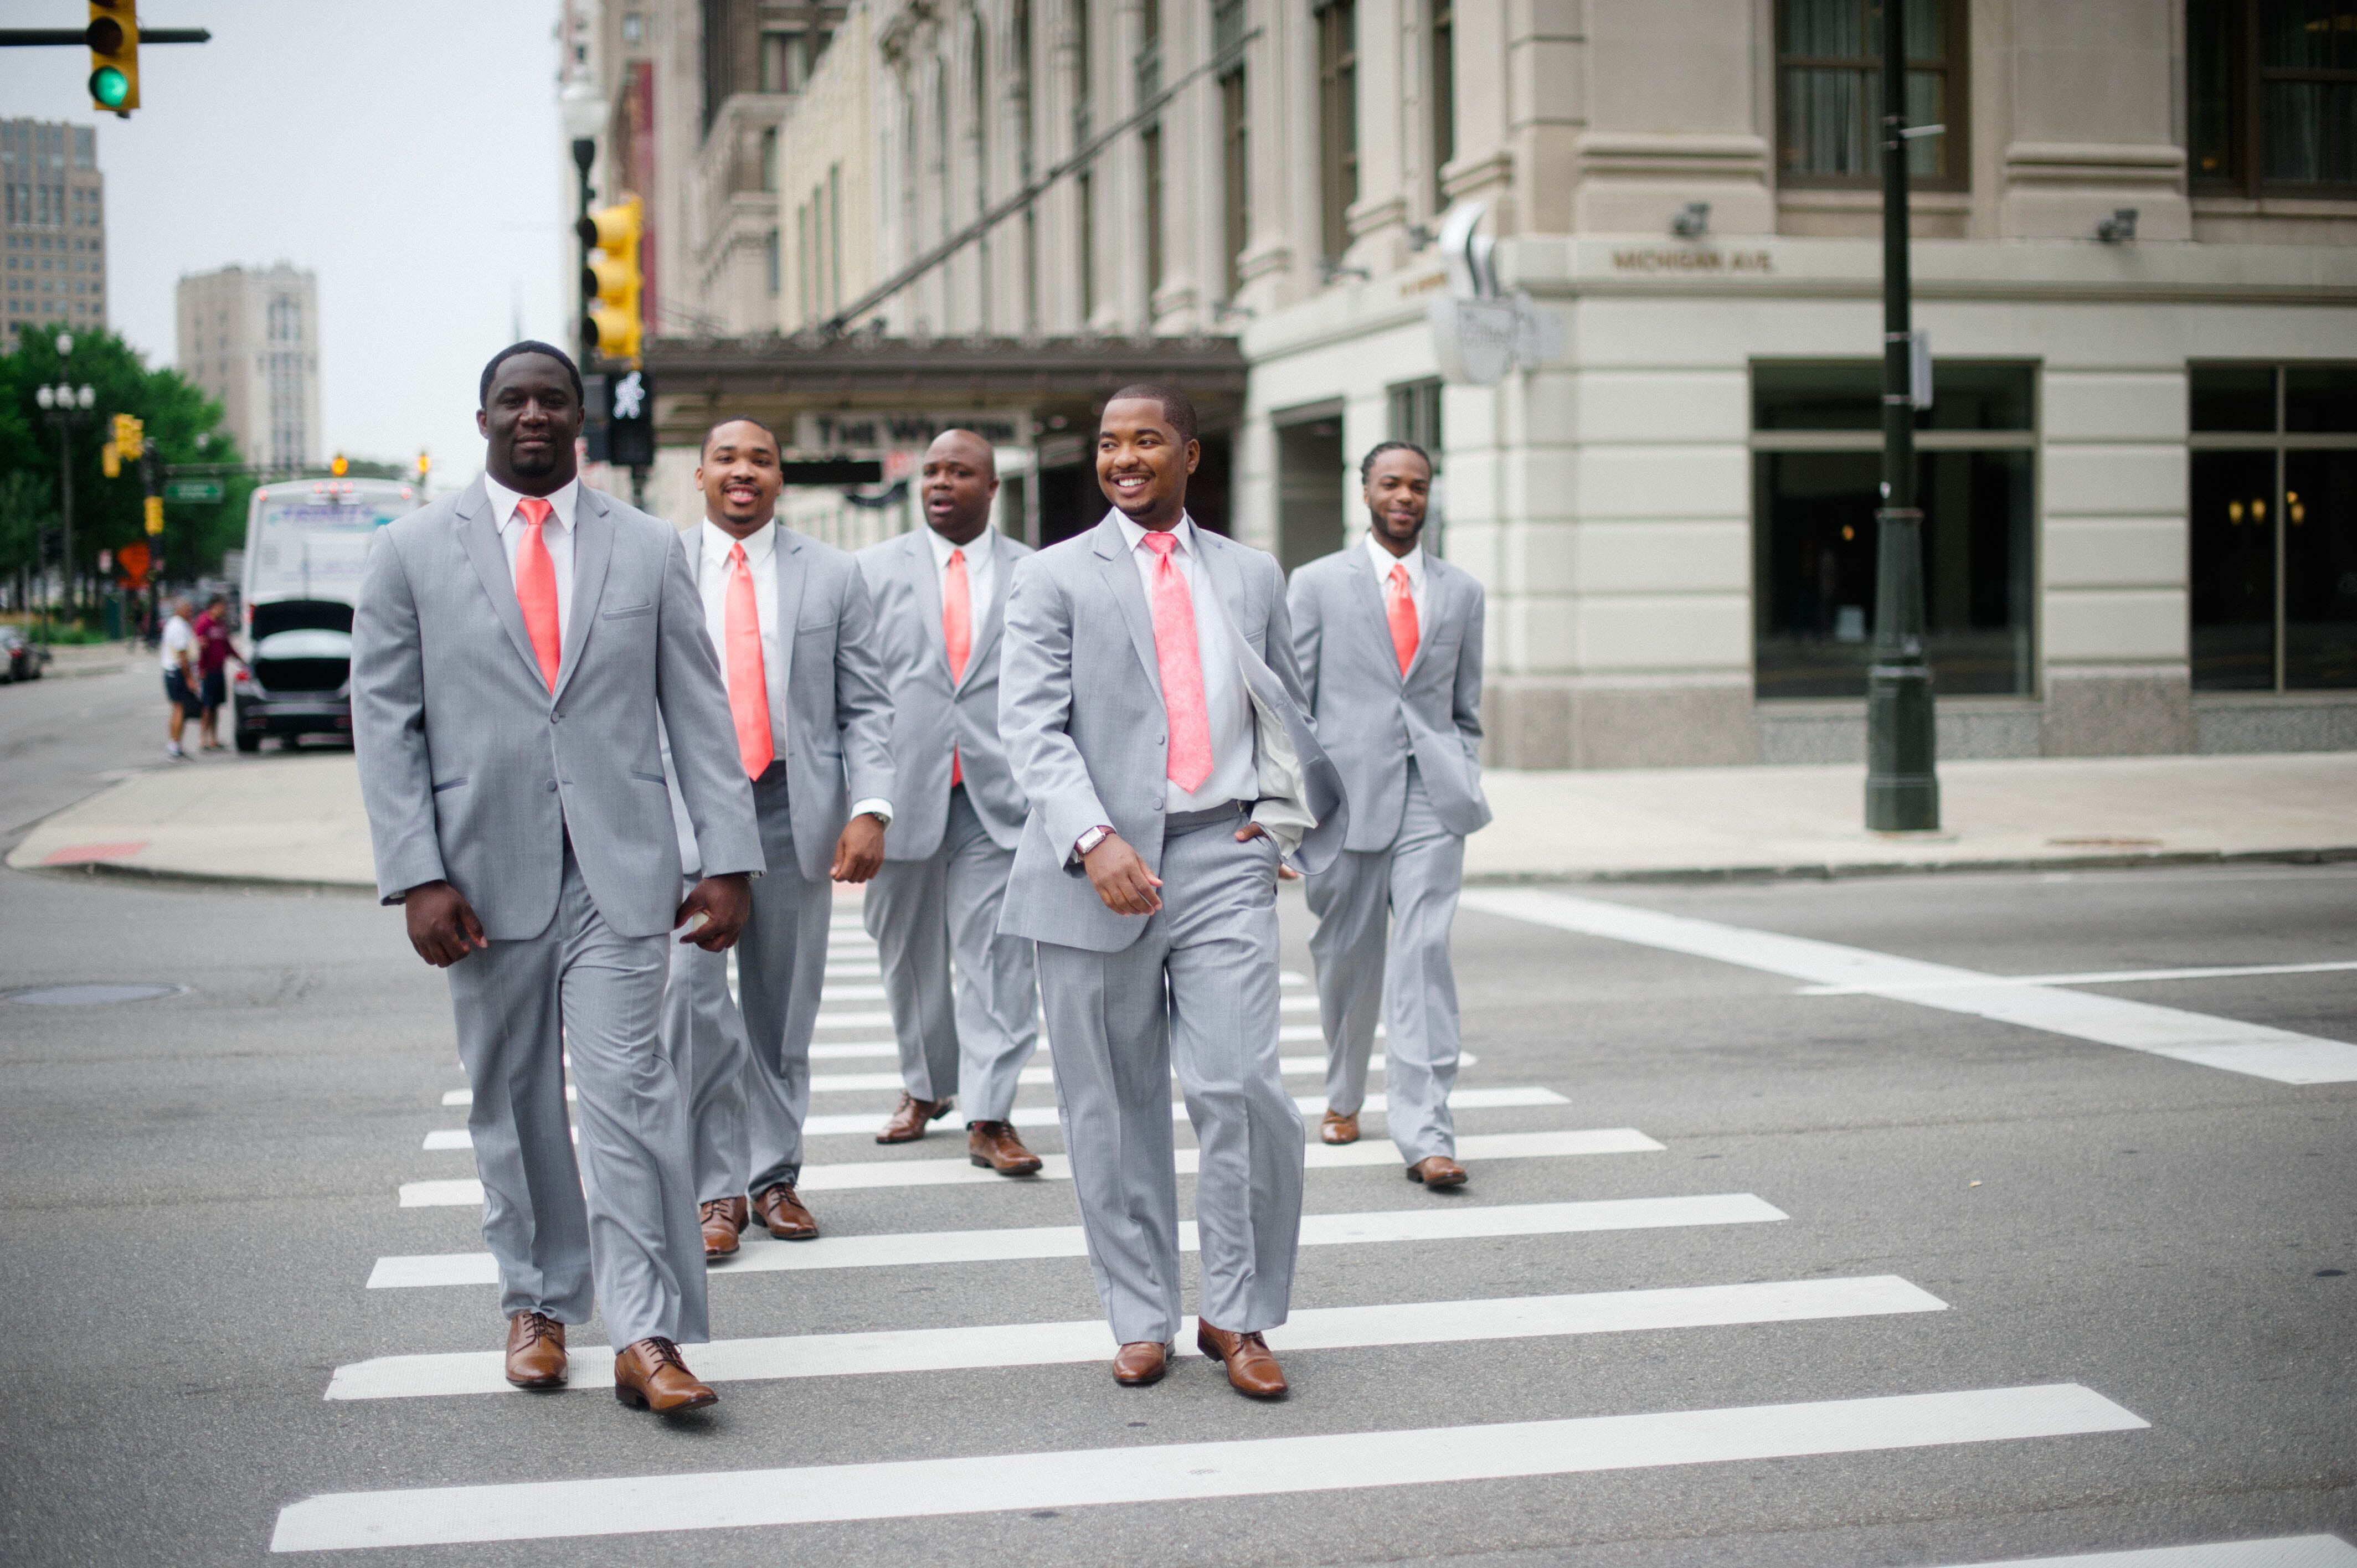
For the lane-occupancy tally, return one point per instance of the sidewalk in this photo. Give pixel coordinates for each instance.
(297, 820)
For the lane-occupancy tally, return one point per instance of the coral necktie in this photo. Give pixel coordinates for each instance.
(1402, 611)
(535, 589)
(957, 635)
(1181, 668)
(748, 684)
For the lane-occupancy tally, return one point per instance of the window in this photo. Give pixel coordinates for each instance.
(2273, 568)
(2272, 95)
(785, 61)
(774, 262)
(835, 236)
(1829, 91)
(1235, 183)
(769, 158)
(1084, 196)
(634, 28)
(1816, 475)
(1149, 144)
(1338, 121)
(1443, 95)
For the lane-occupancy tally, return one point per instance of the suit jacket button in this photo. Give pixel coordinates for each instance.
(1158, 805)
(552, 786)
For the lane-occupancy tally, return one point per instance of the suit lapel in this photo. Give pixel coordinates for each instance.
(1120, 573)
(1370, 595)
(790, 580)
(480, 536)
(1219, 571)
(1427, 620)
(593, 552)
(918, 564)
(994, 618)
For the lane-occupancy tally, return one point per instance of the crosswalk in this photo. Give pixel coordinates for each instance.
(1365, 1454)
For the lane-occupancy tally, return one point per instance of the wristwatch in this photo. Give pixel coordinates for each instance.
(1090, 840)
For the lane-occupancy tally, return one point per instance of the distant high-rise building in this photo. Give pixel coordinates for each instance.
(52, 226)
(250, 339)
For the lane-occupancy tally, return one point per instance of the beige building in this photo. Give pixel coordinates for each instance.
(2133, 260)
(52, 227)
(249, 338)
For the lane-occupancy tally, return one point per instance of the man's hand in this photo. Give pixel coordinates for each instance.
(1252, 831)
(442, 924)
(860, 851)
(722, 901)
(1121, 878)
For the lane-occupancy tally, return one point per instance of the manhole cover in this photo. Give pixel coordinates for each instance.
(91, 993)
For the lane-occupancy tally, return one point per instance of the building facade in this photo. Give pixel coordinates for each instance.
(52, 227)
(249, 338)
(2132, 257)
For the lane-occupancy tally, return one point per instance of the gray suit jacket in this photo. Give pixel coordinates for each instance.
(1081, 711)
(838, 715)
(473, 773)
(929, 713)
(1369, 717)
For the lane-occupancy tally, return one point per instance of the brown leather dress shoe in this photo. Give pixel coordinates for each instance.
(776, 1207)
(995, 1144)
(1252, 1370)
(1436, 1171)
(649, 1375)
(906, 1122)
(1140, 1363)
(1337, 1128)
(535, 1351)
(723, 1221)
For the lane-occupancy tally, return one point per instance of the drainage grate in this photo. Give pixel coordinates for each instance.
(91, 993)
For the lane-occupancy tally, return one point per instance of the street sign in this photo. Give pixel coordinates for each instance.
(192, 490)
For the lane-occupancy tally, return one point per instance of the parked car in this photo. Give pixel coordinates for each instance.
(296, 681)
(19, 659)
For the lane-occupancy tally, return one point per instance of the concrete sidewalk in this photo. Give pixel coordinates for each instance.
(296, 821)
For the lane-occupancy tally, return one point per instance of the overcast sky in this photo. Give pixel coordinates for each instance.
(408, 153)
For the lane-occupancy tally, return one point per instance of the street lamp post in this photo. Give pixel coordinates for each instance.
(63, 404)
(1902, 787)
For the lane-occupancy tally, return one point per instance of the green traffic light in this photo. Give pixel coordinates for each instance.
(109, 87)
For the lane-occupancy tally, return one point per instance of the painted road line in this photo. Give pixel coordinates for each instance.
(854, 1020)
(1045, 1115)
(1051, 1344)
(837, 1082)
(2091, 977)
(2284, 1551)
(859, 1175)
(640, 1505)
(761, 1254)
(2254, 1049)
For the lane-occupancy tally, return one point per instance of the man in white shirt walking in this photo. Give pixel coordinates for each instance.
(179, 676)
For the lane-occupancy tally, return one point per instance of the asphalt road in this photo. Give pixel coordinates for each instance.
(199, 1188)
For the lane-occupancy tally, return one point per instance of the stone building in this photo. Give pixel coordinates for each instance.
(52, 227)
(249, 338)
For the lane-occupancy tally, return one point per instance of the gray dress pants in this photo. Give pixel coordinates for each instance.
(1412, 887)
(1198, 991)
(704, 1036)
(964, 999)
(781, 965)
(618, 1229)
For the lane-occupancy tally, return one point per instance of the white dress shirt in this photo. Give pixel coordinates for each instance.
(555, 534)
(980, 572)
(1414, 561)
(712, 568)
(1235, 773)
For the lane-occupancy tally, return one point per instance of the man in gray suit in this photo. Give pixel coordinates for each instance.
(939, 594)
(805, 687)
(1155, 722)
(514, 649)
(1389, 641)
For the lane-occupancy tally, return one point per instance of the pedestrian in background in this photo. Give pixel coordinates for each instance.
(1155, 723)
(213, 654)
(1389, 641)
(965, 998)
(180, 682)
(510, 763)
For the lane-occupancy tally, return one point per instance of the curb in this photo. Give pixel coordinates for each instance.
(1830, 871)
(116, 871)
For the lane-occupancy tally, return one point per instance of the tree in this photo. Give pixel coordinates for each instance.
(26, 508)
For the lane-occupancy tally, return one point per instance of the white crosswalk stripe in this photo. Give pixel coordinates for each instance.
(762, 1255)
(1139, 1474)
(2284, 1551)
(870, 1173)
(1045, 1344)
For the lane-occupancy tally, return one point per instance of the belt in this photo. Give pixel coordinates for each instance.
(1188, 822)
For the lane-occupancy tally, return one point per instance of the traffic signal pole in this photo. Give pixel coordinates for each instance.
(1902, 787)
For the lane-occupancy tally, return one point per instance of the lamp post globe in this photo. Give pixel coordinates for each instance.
(87, 398)
(65, 344)
(45, 396)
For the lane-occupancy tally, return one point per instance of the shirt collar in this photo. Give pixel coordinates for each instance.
(977, 550)
(760, 545)
(565, 498)
(1132, 533)
(1385, 561)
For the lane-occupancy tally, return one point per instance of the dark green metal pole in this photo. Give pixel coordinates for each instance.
(1902, 790)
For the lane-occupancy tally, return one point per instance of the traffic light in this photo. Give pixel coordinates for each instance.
(338, 466)
(154, 514)
(424, 465)
(613, 279)
(129, 441)
(114, 39)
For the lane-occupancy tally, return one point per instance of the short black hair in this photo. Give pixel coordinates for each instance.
(1178, 408)
(529, 346)
(705, 444)
(1367, 463)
